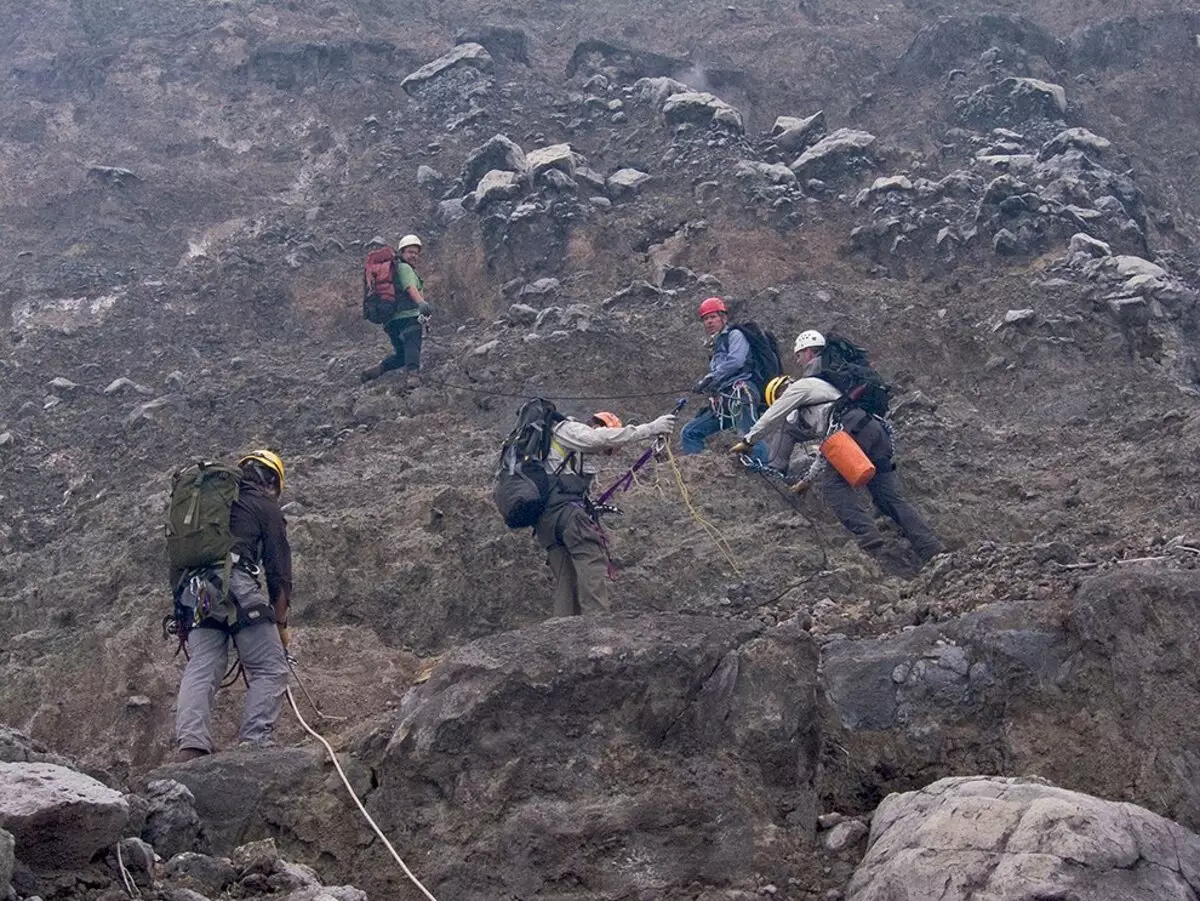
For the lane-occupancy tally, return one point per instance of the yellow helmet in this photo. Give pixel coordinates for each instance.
(775, 388)
(267, 458)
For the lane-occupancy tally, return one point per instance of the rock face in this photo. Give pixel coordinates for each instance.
(834, 153)
(568, 721)
(966, 838)
(59, 817)
(468, 55)
(701, 108)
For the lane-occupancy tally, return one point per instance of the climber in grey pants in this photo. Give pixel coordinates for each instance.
(261, 653)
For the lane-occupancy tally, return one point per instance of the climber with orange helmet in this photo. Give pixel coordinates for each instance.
(405, 328)
(569, 528)
(238, 610)
(734, 398)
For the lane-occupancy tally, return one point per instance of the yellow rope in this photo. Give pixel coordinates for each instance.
(712, 530)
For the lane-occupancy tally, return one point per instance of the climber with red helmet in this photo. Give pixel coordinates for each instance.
(734, 398)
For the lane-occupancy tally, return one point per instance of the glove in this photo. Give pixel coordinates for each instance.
(284, 635)
(664, 425)
(742, 447)
(800, 487)
(701, 387)
(424, 309)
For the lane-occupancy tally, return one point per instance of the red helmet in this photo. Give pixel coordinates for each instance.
(604, 418)
(713, 305)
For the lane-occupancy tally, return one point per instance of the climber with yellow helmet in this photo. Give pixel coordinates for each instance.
(237, 609)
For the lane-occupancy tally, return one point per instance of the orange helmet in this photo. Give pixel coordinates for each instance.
(712, 305)
(604, 418)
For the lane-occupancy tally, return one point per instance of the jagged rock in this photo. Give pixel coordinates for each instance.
(1011, 839)
(540, 288)
(882, 185)
(772, 173)
(6, 439)
(260, 857)
(701, 108)
(486, 348)
(498, 152)
(137, 857)
(497, 184)
(172, 824)
(16, 747)
(429, 178)
(124, 385)
(794, 135)
(834, 153)
(501, 41)
(655, 91)
(522, 314)
(291, 876)
(175, 380)
(1086, 244)
(1016, 100)
(844, 835)
(590, 177)
(1014, 317)
(1005, 242)
(626, 181)
(1128, 266)
(60, 385)
(557, 180)
(1129, 310)
(59, 817)
(113, 175)
(328, 893)
(556, 156)
(8, 860)
(724, 713)
(200, 872)
(146, 411)
(468, 55)
(450, 210)
(1073, 137)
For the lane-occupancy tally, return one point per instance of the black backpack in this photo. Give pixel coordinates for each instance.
(522, 484)
(764, 352)
(847, 367)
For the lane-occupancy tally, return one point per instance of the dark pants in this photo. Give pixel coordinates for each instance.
(575, 553)
(405, 335)
(846, 504)
(708, 422)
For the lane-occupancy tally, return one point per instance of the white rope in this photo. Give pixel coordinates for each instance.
(131, 888)
(333, 756)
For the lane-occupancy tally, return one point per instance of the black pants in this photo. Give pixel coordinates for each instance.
(845, 502)
(405, 335)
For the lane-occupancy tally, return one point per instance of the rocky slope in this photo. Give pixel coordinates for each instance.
(1000, 204)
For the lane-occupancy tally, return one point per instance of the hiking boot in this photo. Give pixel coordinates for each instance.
(183, 755)
(369, 375)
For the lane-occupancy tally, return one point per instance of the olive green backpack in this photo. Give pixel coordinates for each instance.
(202, 494)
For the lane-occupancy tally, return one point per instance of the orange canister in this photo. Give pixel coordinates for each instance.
(844, 454)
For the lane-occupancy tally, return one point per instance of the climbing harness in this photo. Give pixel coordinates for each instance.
(727, 407)
(349, 788)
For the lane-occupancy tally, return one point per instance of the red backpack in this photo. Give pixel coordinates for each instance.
(379, 290)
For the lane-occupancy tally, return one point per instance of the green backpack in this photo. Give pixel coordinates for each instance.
(202, 494)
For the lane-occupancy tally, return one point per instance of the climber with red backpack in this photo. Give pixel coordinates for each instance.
(744, 358)
(393, 296)
(842, 402)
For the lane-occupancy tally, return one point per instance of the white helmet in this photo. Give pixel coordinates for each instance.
(811, 338)
(409, 241)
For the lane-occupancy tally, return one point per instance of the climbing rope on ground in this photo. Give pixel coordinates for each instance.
(712, 530)
(291, 662)
(131, 888)
(333, 756)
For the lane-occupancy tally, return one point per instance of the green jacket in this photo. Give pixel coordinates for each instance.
(406, 277)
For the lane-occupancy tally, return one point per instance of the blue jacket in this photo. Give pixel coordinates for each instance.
(730, 361)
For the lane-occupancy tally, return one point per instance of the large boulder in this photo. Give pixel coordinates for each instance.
(973, 837)
(793, 135)
(604, 756)
(60, 818)
(841, 150)
(463, 56)
(498, 152)
(701, 108)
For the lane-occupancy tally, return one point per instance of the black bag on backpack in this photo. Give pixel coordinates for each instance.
(847, 367)
(765, 361)
(522, 484)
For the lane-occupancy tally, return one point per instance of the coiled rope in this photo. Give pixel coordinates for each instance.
(333, 756)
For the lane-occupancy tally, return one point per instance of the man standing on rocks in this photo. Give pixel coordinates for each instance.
(813, 399)
(733, 396)
(569, 527)
(406, 327)
(255, 622)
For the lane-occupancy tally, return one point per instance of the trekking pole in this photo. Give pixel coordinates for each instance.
(625, 482)
(291, 662)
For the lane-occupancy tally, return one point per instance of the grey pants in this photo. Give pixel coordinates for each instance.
(576, 556)
(885, 492)
(262, 655)
(781, 444)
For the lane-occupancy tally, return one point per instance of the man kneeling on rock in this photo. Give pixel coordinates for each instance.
(568, 528)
